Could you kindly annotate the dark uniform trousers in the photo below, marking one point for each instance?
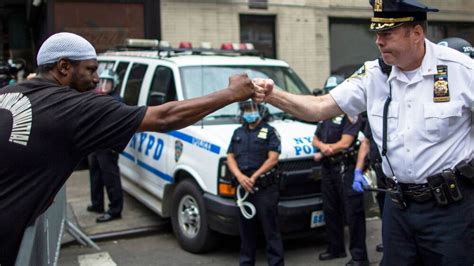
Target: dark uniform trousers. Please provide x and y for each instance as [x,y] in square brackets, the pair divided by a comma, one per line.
[339,201]
[266,203]
[104,171]
[426,234]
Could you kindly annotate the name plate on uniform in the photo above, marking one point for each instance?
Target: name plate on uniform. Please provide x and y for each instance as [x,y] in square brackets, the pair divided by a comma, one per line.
[317,219]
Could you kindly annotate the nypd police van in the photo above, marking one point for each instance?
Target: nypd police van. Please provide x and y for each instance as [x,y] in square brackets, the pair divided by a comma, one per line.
[183,174]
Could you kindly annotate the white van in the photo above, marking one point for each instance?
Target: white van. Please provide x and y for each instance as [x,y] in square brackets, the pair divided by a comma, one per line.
[182,174]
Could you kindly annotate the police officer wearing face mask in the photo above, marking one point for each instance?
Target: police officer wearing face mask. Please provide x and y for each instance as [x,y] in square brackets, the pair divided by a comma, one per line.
[335,139]
[103,165]
[252,158]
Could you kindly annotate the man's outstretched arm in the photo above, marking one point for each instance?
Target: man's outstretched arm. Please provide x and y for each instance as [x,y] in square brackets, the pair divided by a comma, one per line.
[179,114]
[305,107]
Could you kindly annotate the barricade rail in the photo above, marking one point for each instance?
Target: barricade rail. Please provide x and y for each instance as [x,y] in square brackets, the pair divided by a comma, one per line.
[42,241]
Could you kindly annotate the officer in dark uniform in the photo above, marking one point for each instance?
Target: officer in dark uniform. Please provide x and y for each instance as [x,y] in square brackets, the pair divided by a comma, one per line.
[335,139]
[252,158]
[103,165]
[368,147]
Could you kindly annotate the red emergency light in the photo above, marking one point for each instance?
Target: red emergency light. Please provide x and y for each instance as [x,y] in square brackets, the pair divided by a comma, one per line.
[227,46]
[237,46]
[185,45]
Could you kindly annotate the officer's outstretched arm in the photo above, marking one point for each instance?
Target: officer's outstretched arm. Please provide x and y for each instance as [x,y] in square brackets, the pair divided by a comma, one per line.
[179,114]
[306,107]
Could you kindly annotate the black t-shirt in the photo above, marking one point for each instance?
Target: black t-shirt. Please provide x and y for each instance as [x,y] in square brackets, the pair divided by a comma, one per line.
[45,130]
[331,130]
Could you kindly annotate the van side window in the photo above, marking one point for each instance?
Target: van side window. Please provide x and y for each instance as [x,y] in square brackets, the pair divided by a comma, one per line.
[162,88]
[134,83]
[120,70]
[105,65]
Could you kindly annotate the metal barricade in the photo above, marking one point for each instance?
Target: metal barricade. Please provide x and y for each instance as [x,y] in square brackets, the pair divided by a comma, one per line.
[41,242]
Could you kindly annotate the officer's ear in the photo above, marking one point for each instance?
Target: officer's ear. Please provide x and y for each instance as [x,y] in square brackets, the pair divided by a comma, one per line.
[418,33]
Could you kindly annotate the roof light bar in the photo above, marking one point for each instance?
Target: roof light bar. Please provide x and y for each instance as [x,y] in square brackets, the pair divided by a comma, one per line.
[144,43]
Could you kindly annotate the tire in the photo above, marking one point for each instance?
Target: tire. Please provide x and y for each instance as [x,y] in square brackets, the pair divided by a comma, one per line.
[189,219]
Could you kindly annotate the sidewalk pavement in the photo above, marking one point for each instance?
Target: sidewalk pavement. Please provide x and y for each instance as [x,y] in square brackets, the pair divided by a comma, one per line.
[135,216]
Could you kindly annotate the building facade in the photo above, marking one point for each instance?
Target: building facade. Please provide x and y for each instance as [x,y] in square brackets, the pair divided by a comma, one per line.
[316,37]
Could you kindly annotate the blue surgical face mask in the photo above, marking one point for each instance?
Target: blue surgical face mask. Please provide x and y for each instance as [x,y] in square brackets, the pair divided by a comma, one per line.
[251,117]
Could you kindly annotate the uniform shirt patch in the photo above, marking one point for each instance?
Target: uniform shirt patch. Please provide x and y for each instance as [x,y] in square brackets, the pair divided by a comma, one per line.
[359,73]
[441,89]
[263,133]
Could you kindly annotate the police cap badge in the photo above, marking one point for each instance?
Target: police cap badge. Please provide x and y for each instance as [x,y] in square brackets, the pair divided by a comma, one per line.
[389,14]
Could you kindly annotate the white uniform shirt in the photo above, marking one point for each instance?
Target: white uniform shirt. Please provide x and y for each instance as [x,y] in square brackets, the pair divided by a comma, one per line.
[424,137]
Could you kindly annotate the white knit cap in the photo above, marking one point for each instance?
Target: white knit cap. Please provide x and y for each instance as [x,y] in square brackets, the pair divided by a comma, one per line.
[65,45]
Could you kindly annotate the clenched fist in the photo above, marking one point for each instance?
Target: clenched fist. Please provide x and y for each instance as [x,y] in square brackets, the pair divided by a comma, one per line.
[263,88]
[242,87]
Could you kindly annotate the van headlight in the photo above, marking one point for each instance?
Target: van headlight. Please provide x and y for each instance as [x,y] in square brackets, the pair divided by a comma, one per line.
[225,183]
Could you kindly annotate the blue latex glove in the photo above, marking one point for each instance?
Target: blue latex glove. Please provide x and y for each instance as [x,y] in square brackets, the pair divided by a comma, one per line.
[359,181]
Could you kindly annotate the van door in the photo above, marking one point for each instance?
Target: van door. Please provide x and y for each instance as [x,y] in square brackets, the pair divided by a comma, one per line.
[130,157]
[155,148]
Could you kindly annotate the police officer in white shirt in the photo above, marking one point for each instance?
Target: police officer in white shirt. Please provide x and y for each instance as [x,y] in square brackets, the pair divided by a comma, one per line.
[421,118]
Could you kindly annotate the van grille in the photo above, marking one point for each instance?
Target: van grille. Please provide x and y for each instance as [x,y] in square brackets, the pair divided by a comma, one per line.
[299,178]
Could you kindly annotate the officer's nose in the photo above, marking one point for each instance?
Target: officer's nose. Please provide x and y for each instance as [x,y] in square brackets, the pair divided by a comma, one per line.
[379,40]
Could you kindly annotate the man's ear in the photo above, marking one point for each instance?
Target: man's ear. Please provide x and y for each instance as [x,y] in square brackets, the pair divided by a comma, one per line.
[419,33]
[64,66]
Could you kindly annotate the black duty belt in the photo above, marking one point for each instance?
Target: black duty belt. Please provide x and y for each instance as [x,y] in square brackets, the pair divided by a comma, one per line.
[444,188]
[264,180]
[416,192]
[346,158]
[267,179]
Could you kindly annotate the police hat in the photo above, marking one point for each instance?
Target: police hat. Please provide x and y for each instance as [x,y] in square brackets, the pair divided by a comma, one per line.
[389,14]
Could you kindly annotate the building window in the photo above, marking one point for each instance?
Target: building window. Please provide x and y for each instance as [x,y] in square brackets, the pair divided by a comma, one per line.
[258,4]
[350,44]
[441,30]
[259,30]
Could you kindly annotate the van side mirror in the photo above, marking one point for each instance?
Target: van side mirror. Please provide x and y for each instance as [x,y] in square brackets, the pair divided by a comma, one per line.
[317,92]
[156,98]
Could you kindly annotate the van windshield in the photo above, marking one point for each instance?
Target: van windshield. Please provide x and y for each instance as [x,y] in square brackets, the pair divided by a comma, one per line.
[202,80]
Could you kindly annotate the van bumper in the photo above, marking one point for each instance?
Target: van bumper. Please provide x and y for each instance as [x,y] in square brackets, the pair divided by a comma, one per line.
[294,215]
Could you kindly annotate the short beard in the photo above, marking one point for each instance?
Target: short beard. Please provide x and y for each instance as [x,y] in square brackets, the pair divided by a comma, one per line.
[75,84]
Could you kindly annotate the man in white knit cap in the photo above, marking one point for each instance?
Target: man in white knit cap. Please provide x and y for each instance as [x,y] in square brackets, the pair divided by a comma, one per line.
[48,123]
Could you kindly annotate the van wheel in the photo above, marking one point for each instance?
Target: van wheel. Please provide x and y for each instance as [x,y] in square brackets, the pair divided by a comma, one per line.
[189,219]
